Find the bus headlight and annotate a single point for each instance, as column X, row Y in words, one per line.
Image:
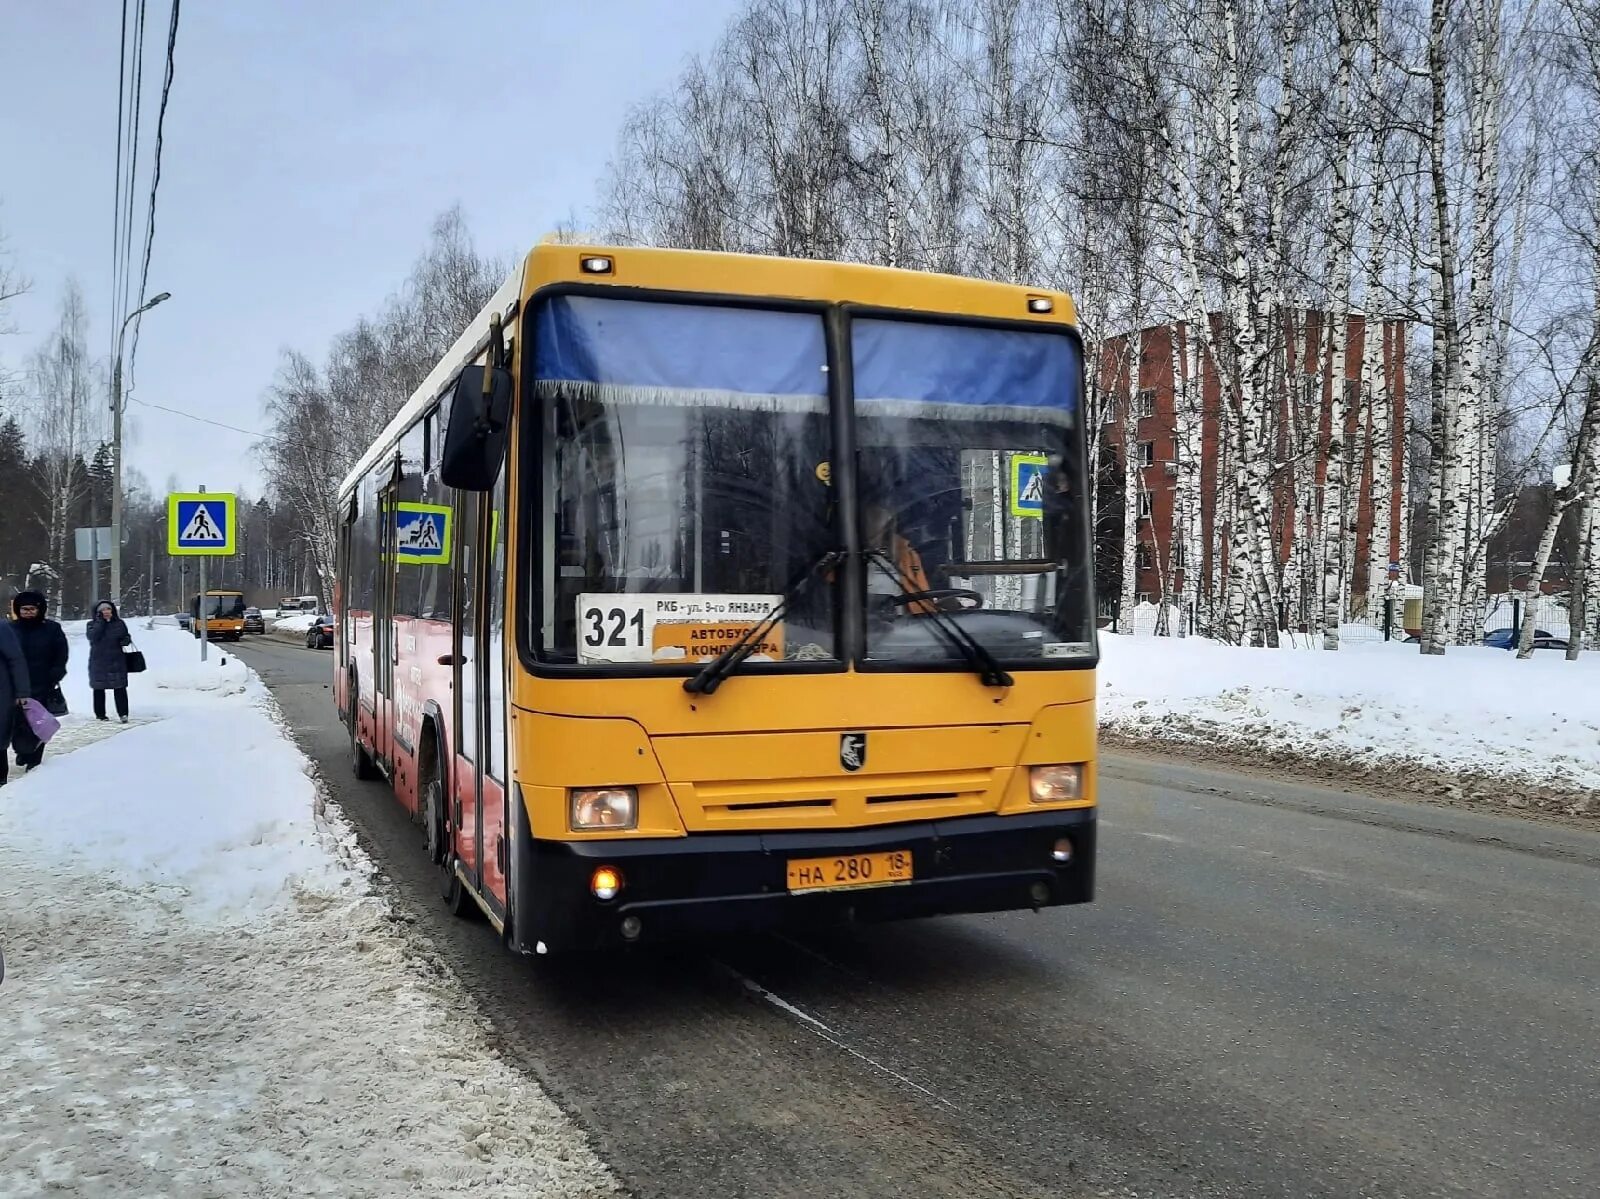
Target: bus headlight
column 1055, row 784
column 602, row 808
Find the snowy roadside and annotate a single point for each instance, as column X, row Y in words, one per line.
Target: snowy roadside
column 1475, row 725
column 202, row 994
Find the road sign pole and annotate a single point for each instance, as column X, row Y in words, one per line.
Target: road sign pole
column 202, row 605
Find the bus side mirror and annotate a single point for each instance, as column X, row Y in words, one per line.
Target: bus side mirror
column 480, row 424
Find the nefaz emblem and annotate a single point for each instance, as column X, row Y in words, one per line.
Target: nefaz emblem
column 852, row 750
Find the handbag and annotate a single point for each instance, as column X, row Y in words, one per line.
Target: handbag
column 133, row 659
column 44, row 725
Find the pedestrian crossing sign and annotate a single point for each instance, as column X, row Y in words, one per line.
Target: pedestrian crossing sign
column 421, row 534
column 1027, row 484
column 200, row 523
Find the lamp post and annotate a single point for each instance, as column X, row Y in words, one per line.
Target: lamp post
column 116, row 449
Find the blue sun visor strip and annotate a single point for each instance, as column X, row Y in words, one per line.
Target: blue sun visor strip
column 637, row 352
column 912, row 368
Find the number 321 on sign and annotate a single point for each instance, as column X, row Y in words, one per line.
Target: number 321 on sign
column 624, row 628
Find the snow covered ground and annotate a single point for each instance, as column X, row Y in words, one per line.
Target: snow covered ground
column 203, row 997
column 297, row 622
column 1475, row 711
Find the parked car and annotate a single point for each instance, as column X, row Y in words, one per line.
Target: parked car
column 254, row 622
column 320, row 635
column 1510, row 638
column 184, row 619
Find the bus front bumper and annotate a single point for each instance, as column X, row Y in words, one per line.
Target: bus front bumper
column 730, row 882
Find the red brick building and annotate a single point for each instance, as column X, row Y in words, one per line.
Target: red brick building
column 1303, row 345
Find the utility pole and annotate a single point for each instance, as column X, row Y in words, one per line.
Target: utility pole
column 200, row 613
column 116, row 449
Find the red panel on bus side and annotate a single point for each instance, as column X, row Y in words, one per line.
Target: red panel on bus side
column 494, row 822
column 466, row 791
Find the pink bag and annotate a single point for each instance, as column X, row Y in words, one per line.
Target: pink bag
column 44, row 725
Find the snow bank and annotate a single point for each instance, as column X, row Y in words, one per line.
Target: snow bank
column 200, row 796
column 300, row 622
column 1474, row 710
column 204, row 997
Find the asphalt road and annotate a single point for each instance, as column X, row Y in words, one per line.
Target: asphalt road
column 1280, row 991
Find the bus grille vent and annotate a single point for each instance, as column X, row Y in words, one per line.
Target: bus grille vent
column 773, row 804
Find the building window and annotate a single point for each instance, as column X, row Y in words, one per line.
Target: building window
column 1311, row 390
column 1147, row 402
column 1352, row 394
column 1147, row 453
column 1144, row 505
column 1143, row 557
column 1177, row 555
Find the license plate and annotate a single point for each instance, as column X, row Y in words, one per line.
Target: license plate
column 850, row 870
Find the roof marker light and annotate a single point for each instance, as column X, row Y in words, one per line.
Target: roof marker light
column 1041, row 304
column 596, row 264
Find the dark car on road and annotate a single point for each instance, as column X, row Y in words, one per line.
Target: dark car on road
column 320, row 635
column 1510, row 638
column 254, row 622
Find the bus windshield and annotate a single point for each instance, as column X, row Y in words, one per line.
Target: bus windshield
column 688, row 451
column 687, row 479
column 221, row 607
column 967, row 443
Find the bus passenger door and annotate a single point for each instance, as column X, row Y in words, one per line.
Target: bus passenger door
column 491, row 684
column 468, row 717
column 383, row 642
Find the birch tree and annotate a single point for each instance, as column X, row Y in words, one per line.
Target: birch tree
column 1342, row 251
column 1576, row 492
column 64, row 414
column 371, row 370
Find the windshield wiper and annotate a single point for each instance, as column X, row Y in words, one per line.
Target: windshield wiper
column 709, row 677
column 964, row 643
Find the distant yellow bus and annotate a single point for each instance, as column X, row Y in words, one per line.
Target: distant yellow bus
column 224, row 615
column 700, row 591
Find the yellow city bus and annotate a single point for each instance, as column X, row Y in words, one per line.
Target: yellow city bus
column 699, row 591
column 224, row 615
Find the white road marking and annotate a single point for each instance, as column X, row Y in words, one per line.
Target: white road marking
column 807, row 1020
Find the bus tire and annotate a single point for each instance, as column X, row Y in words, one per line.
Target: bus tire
column 361, row 763
column 436, row 826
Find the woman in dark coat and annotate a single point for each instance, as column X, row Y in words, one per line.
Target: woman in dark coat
column 14, row 688
column 44, row 645
column 107, row 669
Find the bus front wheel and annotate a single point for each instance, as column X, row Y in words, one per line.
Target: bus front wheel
column 436, row 823
column 361, row 763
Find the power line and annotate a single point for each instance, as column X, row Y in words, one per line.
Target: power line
column 130, row 92
column 155, row 177
column 205, row 420
column 116, row 188
column 135, row 126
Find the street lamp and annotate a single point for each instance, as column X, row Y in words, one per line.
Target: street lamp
column 116, row 449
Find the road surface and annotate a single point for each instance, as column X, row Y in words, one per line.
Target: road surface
column 1280, row 991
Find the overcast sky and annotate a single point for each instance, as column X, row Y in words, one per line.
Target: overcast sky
column 308, row 146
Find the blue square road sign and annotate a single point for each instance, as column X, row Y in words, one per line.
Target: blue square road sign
column 200, row 523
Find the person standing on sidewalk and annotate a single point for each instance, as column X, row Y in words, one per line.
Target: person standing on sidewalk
column 44, row 646
column 14, row 689
column 108, row 671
